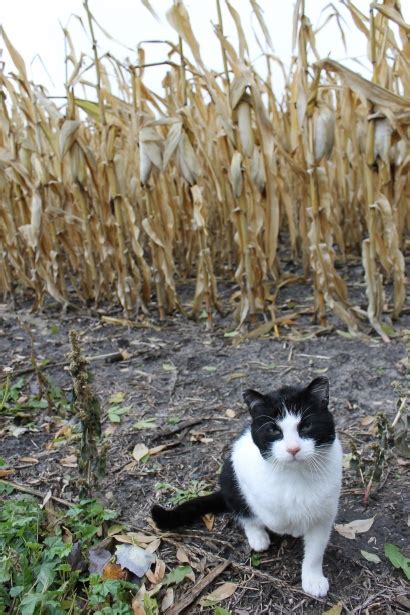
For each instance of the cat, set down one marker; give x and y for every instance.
(283, 474)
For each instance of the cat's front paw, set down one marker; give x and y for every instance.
(258, 539)
(315, 584)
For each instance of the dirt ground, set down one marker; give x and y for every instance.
(189, 379)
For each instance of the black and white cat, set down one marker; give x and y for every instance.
(283, 474)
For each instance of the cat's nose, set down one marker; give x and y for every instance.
(293, 450)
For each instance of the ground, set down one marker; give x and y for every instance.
(189, 378)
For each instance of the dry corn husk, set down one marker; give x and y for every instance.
(236, 174)
(188, 161)
(150, 152)
(245, 127)
(145, 163)
(258, 173)
(382, 139)
(323, 132)
(75, 217)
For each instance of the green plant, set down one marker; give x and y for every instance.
(397, 558)
(36, 572)
(196, 488)
(13, 399)
(9, 394)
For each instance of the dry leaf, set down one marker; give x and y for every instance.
(230, 413)
(4, 473)
(97, 559)
(153, 546)
(334, 610)
(221, 593)
(135, 538)
(134, 559)
(139, 451)
(168, 599)
(182, 556)
(158, 574)
(114, 572)
(371, 557)
(29, 460)
(69, 462)
(367, 420)
(209, 520)
(137, 607)
(64, 432)
(349, 530)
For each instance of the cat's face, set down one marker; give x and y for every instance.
(293, 424)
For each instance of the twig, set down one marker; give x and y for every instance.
(112, 357)
(35, 492)
(240, 567)
(198, 588)
(181, 427)
(399, 412)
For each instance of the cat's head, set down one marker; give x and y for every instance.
(292, 424)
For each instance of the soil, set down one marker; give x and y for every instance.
(189, 379)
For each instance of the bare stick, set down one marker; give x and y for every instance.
(198, 588)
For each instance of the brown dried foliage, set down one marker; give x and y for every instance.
(123, 197)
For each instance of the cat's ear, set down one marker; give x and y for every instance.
(319, 387)
(254, 400)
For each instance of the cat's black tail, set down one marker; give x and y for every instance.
(188, 512)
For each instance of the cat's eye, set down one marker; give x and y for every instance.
(273, 430)
(305, 427)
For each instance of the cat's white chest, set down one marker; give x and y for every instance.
(286, 500)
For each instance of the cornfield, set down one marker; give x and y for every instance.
(121, 198)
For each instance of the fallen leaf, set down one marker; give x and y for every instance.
(397, 558)
(69, 462)
(76, 559)
(153, 546)
(157, 449)
(236, 375)
(334, 610)
(98, 558)
(230, 413)
(182, 556)
(137, 607)
(117, 398)
(168, 599)
(158, 574)
(209, 520)
(347, 458)
(139, 451)
(220, 593)
(178, 575)
(4, 473)
(114, 572)
(371, 557)
(64, 432)
(200, 436)
(349, 530)
(146, 424)
(115, 529)
(134, 559)
(29, 460)
(168, 367)
(367, 420)
(46, 499)
(135, 538)
(18, 431)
